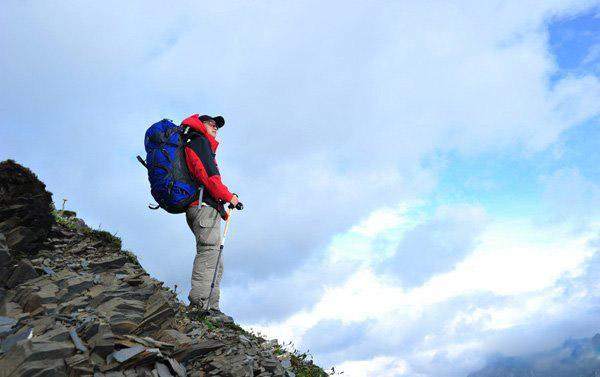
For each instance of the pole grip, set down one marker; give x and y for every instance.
(239, 206)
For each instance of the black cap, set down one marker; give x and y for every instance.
(218, 120)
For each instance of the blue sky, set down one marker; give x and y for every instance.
(423, 177)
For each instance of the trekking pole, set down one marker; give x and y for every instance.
(212, 284)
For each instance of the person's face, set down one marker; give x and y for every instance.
(211, 127)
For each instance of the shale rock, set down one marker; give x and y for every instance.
(23, 272)
(72, 303)
(25, 208)
(5, 257)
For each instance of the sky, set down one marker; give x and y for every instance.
(420, 179)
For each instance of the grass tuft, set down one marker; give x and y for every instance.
(103, 235)
(133, 259)
(69, 219)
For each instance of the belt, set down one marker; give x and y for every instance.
(220, 208)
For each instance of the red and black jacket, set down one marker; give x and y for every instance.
(200, 157)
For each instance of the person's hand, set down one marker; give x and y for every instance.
(234, 200)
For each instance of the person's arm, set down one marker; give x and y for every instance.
(204, 170)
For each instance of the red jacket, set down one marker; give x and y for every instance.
(200, 158)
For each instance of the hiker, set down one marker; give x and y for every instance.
(203, 215)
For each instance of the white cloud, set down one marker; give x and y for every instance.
(384, 366)
(379, 221)
(326, 122)
(514, 277)
(332, 109)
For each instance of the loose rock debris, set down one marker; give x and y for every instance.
(75, 304)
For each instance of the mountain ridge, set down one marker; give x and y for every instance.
(73, 303)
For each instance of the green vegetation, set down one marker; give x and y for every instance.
(69, 219)
(237, 328)
(67, 213)
(302, 362)
(105, 236)
(132, 257)
(64, 220)
(210, 325)
(304, 367)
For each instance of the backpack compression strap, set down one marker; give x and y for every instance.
(141, 160)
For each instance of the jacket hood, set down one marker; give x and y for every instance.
(196, 125)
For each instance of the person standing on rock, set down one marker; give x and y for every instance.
(203, 216)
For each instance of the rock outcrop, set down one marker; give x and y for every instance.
(72, 303)
(25, 208)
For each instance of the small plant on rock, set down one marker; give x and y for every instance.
(69, 219)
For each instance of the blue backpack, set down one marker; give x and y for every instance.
(170, 182)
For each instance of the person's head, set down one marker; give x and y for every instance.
(211, 127)
(212, 124)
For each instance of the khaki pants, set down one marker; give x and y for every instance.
(205, 222)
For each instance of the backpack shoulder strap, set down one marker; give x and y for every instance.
(190, 134)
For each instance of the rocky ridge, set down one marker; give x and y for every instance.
(72, 303)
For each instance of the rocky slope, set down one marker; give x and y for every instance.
(574, 358)
(72, 303)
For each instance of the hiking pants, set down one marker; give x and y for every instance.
(205, 222)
